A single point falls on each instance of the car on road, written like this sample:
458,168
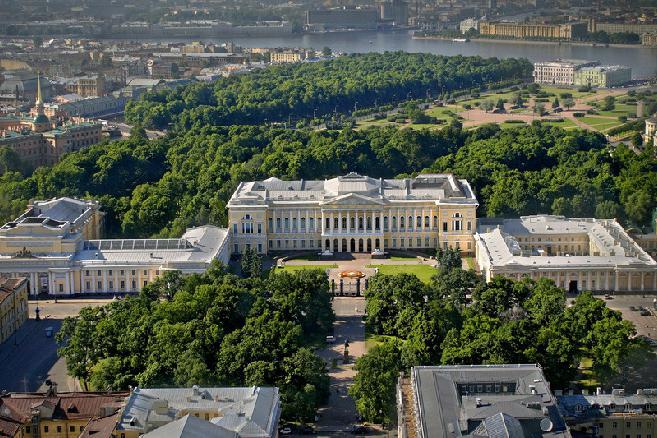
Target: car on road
608,297
633,309
645,312
330,339
359,429
285,431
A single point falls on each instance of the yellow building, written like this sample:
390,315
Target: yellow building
38,142
353,213
613,415
56,245
13,306
577,254
287,57
52,415
566,31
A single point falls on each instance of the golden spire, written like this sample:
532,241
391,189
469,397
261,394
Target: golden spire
39,100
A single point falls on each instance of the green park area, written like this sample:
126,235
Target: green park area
423,272
296,268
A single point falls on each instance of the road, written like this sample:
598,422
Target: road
29,357
337,418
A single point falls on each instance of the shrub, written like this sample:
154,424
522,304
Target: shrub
579,115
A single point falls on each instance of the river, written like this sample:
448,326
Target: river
642,60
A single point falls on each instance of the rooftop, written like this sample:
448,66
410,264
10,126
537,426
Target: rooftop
489,400
250,411
441,188
612,246
8,286
198,245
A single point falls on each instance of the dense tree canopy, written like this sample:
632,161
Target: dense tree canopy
508,321
209,329
161,187
309,89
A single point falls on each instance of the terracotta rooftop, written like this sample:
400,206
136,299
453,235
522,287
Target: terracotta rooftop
69,406
100,427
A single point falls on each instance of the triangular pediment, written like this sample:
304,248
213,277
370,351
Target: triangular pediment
354,199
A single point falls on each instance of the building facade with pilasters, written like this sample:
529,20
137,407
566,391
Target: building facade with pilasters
577,254
353,213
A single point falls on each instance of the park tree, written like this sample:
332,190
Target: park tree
568,103
608,104
251,263
449,258
555,103
374,385
487,105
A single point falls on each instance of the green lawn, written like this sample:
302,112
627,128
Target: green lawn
601,123
423,272
620,109
295,268
403,258
471,262
558,90
507,125
565,123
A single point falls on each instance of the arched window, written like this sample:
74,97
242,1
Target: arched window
418,222
401,222
410,223
394,222
385,223
427,222
435,221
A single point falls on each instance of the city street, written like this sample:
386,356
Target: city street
29,357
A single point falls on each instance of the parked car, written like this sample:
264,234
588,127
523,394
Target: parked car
285,431
645,313
608,297
633,309
359,429
330,339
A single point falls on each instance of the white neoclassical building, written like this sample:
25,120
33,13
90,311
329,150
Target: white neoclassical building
577,254
56,245
353,213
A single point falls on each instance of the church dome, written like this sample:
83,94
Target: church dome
41,119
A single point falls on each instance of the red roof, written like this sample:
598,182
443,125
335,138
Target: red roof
66,406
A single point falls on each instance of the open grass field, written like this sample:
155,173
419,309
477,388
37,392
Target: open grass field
423,272
601,123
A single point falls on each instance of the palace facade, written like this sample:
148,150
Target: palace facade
57,246
353,213
577,254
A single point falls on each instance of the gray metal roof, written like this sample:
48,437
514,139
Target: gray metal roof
190,427
251,411
433,187
454,401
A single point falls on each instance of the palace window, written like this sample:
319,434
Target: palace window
401,222
427,222
445,227
271,224
410,222
418,222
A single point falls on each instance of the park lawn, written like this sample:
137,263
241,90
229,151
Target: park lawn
620,109
423,272
558,90
600,123
444,112
419,126
565,123
470,262
587,378
296,268
372,341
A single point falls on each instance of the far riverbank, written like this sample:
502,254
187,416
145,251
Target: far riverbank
534,42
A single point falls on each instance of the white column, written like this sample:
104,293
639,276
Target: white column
630,274
340,222
617,283
104,281
606,280
381,227
51,283
643,286
298,230
588,281
307,230
67,282
654,281
348,222
373,222
34,278
323,221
